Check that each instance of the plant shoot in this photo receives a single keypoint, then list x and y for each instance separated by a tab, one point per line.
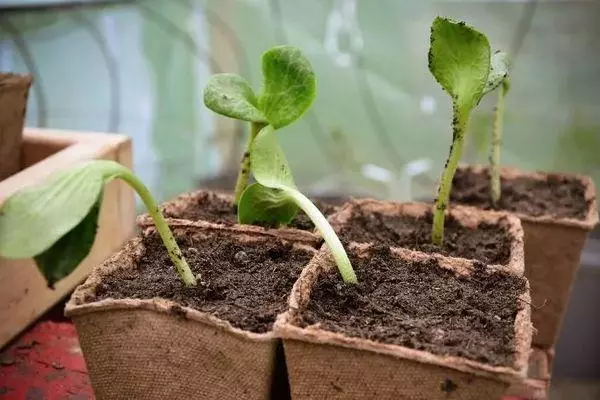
56	222
495	188
287	91
460	60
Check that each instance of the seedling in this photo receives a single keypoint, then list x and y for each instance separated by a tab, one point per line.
56	222
495	189
288	90
460	59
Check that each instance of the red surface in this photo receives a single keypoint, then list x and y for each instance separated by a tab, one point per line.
46	364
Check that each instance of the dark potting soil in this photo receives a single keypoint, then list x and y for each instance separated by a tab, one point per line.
212	208
557	196
488	243
421	306
245	284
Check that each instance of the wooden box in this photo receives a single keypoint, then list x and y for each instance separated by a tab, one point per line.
24	295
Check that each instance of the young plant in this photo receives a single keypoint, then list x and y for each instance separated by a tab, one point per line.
288	90
56	222
495	189
460	59
287	77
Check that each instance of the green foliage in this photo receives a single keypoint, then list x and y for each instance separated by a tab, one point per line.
289	85
56	222
232	96
288	90
460	60
275	198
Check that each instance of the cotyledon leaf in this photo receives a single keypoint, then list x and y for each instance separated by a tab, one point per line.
289	85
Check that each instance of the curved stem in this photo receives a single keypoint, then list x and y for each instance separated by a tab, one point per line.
245	167
183	269
495	189
459	128
333	242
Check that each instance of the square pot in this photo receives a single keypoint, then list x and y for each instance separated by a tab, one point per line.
157	348
326	363
553	249
216	208
392	224
537	384
14	92
24	293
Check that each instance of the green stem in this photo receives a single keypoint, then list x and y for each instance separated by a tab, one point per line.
496	142
459	128
245	167
337	249
183	269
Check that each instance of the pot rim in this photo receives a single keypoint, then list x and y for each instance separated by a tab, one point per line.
322	262
186	199
509	173
126	258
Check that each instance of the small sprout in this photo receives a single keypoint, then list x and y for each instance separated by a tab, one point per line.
56	221
275	198
460	59
500	68
287	92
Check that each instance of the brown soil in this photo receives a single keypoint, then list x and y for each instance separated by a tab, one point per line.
245	284
556	196
421	306
489	244
214	209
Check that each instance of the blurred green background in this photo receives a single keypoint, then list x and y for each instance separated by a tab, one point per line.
380	125
138	67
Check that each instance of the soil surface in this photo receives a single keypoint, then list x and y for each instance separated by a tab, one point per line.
557	196
211	208
245	284
489	244
421	306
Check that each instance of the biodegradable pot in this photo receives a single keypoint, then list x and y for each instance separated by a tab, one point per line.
14	91
326	365
156	349
553	249
192	204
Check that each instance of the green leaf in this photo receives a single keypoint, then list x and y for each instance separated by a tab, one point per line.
269	164
70	250
266	205
32	220
498	71
55	222
459	59
232	96
289	85
267	201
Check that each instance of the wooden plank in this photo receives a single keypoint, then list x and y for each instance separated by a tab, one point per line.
24	295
